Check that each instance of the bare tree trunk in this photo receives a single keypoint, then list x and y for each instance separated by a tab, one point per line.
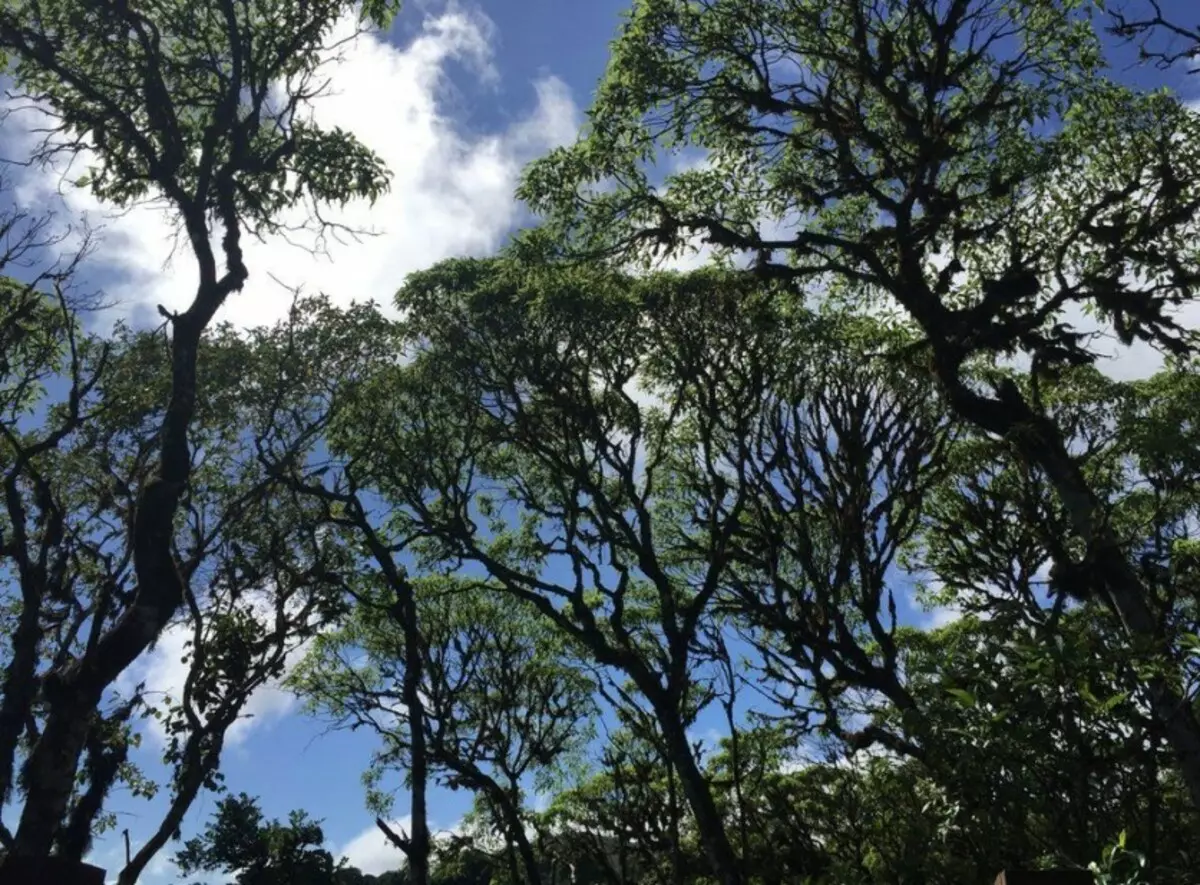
506	811
418	853
721	856
729	704
49	775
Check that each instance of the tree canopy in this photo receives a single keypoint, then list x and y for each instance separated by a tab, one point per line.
842	558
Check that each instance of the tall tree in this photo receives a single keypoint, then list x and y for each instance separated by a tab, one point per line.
502	709
606	447
992	533
258	579
203	107
262	576
618	824
514	441
968	162
40	339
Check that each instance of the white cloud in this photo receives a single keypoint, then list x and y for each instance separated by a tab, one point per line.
942	616
708	739
1119	361
451	192
372	853
163	671
794	765
930	615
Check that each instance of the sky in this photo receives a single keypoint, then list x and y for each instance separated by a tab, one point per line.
456	99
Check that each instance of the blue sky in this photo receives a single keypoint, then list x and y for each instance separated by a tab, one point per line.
456	100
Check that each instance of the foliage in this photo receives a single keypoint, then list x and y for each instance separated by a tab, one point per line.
542	531
240	841
258	580
971	168
204	107
186	106
502	709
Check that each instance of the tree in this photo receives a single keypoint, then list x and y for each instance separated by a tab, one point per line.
833	455
617	825
991	532
638	523
262	577
501	703
884	822
203	108
258	580
755	772
513	441
997	696
40	338
968	162
240	841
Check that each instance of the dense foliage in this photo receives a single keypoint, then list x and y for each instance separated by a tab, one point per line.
838	560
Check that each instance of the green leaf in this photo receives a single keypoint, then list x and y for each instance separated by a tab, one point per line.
964	697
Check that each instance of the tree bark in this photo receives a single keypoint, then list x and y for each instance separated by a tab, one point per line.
49	774
418	854
717	847
673	805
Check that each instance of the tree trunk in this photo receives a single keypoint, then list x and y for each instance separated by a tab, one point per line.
50	774
103	765
418	855
74	694
735	765
506	811
673	810
184	796
510	858
717	847
516	828
20	685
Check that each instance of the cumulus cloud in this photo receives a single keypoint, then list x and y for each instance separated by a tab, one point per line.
372	853
930	615
163	672
451	191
